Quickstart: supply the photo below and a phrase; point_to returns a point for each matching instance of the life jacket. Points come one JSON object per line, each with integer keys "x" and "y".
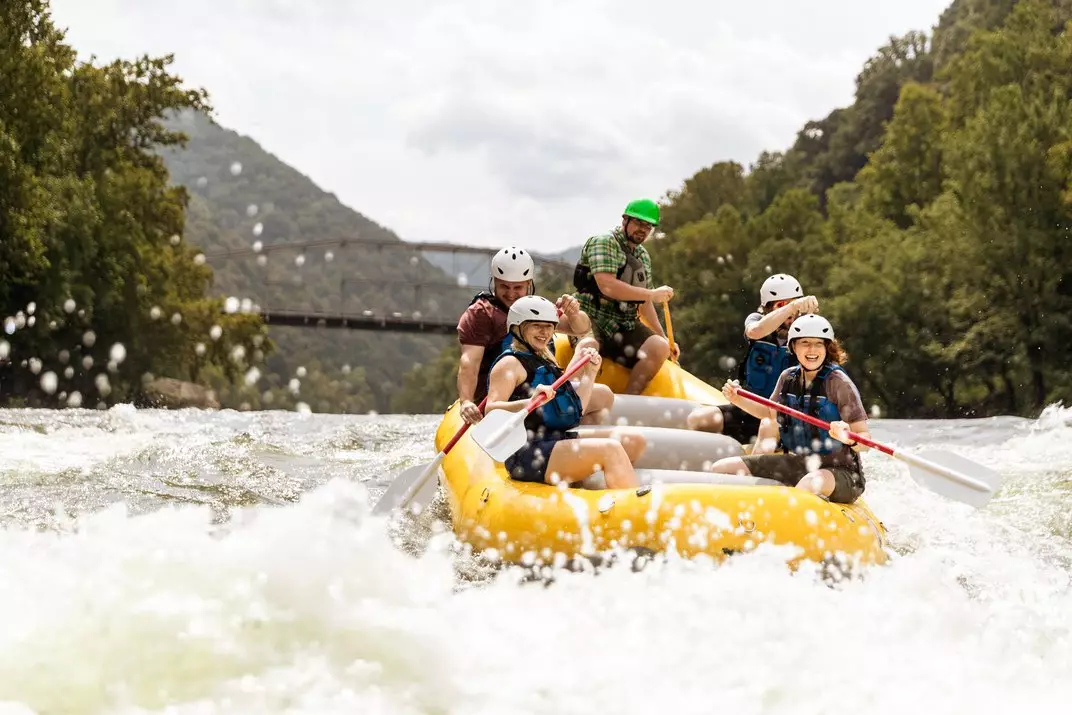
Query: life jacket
{"x": 799, "y": 437}
{"x": 491, "y": 351}
{"x": 764, "y": 362}
{"x": 631, "y": 271}
{"x": 562, "y": 412}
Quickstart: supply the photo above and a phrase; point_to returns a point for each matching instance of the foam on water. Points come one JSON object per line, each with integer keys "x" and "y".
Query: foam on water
{"x": 310, "y": 608}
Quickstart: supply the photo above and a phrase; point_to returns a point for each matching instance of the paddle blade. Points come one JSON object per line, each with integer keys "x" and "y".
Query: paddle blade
{"x": 953, "y": 476}
{"x": 500, "y": 433}
{"x": 413, "y": 486}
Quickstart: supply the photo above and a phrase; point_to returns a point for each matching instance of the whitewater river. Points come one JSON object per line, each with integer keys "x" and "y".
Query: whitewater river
{"x": 217, "y": 562}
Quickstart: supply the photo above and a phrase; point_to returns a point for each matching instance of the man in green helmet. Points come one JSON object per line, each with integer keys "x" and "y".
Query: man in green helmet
{"x": 615, "y": 289}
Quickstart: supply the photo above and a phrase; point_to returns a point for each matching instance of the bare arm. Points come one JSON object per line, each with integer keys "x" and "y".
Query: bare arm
{"x": 773, "y": 320}
{"x": 468, "y": 371}
{"x": 770, "y": 322}
{"x": 612, "y": 287}
{"x": 574, "y": 321}
{"x": 507, "y": 374}
{"x": 760, "y": 412}
{"x": 860, "y": 428}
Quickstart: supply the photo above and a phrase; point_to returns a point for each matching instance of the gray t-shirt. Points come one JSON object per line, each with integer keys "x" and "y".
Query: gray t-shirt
{"x": 780, "y": 335}
{"x": 841, "y": 391}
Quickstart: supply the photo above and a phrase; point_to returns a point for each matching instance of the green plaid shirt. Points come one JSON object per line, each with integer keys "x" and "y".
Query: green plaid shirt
{"x": 606, "y": 254}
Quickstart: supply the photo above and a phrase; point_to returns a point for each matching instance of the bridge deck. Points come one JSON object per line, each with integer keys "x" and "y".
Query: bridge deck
{"x": 306, "y": 319}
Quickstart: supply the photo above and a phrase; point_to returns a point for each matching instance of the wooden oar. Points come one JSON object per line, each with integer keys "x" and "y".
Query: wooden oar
{"x": 669, "y": 331}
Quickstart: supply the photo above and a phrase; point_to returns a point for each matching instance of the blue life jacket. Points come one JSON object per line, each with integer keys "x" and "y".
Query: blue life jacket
{"x": 797, "y": 436}
{"x": 561, "y": 413}
{"x": 764, "y": 363}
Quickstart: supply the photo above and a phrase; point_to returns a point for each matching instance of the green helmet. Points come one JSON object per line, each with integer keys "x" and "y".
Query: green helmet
{"x": 643, "y": 209}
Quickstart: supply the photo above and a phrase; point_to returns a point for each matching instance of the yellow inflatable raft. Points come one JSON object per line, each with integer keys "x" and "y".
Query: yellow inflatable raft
{"x": 678, "y": 508}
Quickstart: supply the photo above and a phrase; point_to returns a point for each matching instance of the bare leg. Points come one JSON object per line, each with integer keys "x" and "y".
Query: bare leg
{"x": 632, "y": 440}
{"x": 818, "y": 482}
{"x": 586, "y": 342}
{"x": 730, "y": 465}
{"x": 574, "y": 460}
{"x": 653, "y": 353}
{"x": 706, "y": 419}
{"x": 599, "y": 405}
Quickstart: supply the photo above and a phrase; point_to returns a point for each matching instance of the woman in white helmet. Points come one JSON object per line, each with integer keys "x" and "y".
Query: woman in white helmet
{"x": 781, "y": 299}
{"x": 826, "y": 463}
{"x": 554, "y": 453}
{"x": 482, "y": 328}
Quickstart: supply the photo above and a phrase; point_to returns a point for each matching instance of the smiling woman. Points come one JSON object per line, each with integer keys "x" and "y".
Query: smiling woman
{"x": 554, "y": 452}
{"x": 823, "y": 462}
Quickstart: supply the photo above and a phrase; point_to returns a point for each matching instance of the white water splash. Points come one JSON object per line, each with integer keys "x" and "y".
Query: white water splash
{"x": 309, "y": 608}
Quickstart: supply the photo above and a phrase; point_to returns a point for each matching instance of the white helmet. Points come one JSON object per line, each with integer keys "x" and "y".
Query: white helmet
{"x": 512, "y": 264}
{"x": 811, "y": 325}
{"x": 779, "y": 287}
{"x": 531, "y": 308}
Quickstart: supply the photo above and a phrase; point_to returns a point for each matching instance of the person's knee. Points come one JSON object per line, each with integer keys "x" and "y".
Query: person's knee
{"x": 603, "y": 396}
{"x": 634, "y": 444}
{"x": 587, "y": 342}
{"x": 730, "y": 465}
{"x": 655, "y": 348}
{"x": 821, "y": 482}
{"x": 618, "y": 467}
{"x": 708, "y": 419}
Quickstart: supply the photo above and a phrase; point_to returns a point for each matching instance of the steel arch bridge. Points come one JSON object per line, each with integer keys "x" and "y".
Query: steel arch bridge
{"x": 312, "y": 284}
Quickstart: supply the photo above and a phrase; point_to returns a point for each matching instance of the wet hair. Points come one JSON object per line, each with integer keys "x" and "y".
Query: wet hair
{"x": 835, "y": 352}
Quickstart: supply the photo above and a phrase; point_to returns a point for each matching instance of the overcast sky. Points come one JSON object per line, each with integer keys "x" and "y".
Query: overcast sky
{"x": 489, "y": 122}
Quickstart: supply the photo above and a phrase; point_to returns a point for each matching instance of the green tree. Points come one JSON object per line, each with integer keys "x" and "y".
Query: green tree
{"x": 905, "y": 173}
{"x": 104, "y": 290}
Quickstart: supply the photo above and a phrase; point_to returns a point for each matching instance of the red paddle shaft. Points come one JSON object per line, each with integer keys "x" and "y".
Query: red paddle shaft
{"x": 812, "y": 420}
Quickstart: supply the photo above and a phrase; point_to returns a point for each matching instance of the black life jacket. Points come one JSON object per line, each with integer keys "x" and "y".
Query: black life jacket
{"x": 631, "y": 271}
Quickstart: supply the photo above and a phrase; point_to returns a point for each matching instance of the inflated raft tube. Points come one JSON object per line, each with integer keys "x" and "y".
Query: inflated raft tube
{"x": 688, "y": 512}
{"x": 678, "y": 449}
{"x": 684, "y": 476}
{"x": 642, "y": 410}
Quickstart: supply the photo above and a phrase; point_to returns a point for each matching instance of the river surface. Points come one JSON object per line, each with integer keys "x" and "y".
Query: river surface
{"x": 195, "y": 562}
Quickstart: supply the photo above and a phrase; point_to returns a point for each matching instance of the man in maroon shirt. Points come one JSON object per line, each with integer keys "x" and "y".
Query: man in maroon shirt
{"x": 483, "y": 335}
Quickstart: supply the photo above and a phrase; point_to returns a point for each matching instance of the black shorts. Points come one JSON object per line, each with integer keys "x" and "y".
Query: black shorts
{"x": 622, "y": 346}
{"x": 738, "y": 424}
{"x": 791, "y": 468}
{"x": 529, "y": 464}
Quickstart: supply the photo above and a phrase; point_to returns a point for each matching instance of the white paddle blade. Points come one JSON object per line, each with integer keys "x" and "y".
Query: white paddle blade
{"x": 953, "y": 476}
{"x": 500, "y": 433}
{"x": 413, "y": 486}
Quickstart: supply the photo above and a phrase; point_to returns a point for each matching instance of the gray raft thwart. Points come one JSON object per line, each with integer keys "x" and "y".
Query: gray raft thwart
{"x": 682, "y": 476}
{"x": 642, "y": 410}
{"x": 673, "y": 455}
{"x": 677, "y": 448}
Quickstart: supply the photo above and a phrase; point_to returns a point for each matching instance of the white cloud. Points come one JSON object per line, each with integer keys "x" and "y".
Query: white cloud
{"x": 486, "y": 121}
